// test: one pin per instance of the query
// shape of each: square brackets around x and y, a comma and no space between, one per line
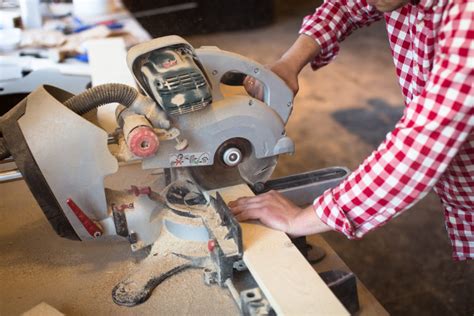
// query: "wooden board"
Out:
[289,282]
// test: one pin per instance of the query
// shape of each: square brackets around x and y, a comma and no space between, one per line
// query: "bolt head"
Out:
[232,157]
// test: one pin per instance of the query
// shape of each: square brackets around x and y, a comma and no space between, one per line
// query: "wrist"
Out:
[295,226]
[306,222]
[303,50]
[291,65]
[291,226]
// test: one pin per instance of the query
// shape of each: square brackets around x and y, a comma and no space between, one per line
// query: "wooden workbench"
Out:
[77,277]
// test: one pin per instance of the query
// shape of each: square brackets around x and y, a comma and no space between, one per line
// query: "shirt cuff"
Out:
[320,31]
[333,216]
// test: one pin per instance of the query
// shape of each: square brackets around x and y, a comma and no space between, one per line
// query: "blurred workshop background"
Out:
[342,112]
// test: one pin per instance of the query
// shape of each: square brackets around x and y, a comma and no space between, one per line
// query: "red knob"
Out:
[211,244]
[143,142]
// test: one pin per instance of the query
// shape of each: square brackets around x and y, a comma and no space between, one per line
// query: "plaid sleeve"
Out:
[333,21]
[417,152]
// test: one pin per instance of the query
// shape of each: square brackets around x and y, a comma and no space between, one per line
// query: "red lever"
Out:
[92,228]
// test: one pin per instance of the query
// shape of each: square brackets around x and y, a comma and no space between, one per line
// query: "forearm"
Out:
[307,223]
[332,22]
[303,51]
[288,67]
[418,151]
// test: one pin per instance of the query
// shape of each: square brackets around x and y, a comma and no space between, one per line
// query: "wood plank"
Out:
[289,282]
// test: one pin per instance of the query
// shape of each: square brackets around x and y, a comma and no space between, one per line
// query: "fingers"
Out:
[248,80]
[265,197]
[248,211]
[268,214]
[271,208]
[254,207]
[254,87]
[245,200]
[246,208]
[248,215]
[250,86]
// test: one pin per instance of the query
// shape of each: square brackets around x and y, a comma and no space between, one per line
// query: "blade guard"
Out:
[71,154]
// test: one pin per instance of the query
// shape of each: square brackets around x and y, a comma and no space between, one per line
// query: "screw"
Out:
[214,72]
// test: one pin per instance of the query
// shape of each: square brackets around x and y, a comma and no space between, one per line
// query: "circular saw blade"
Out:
[251,171]
[254,170]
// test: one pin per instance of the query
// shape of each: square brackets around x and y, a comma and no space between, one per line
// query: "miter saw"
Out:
[179,122]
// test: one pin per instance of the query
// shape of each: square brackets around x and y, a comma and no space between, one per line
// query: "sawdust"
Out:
[167,244]
[221,232]
[189,221]
[186,190]
[165,260]
[170,254]
[210,218]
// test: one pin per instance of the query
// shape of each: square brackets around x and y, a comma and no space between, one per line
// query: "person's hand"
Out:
[303,50]
[254,87]
[271,208]
[281,68]
[287,71]
[277,212]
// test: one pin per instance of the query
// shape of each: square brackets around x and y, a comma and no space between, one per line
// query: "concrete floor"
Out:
[341,113]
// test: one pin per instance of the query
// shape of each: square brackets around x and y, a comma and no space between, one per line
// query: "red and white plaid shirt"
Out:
[432,146]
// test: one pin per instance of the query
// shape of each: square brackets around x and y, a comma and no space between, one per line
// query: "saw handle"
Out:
[219,64]
[233,78]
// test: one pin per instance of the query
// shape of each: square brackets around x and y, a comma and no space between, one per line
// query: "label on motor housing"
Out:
[190,159]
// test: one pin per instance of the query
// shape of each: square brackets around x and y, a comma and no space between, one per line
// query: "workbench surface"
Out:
[77,277]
